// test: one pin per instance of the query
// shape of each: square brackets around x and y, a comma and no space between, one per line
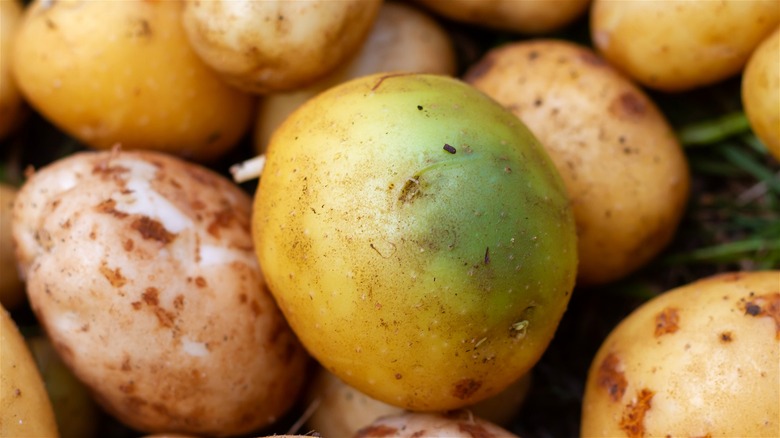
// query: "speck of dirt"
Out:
[726,337]
[152,229]
[465,388]
[628,104]
[767,305]
[667,321]
[633,420]
[611,378]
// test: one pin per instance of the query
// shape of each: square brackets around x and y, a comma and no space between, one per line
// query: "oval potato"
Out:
[678,45]
[761,92]
[699,360]
[625,172]
[129,78]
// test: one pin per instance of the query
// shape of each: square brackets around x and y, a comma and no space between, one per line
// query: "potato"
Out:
[25,408]
[699,360]
[459,424]
[524,16]
[678,45]
[12,105]
[417,238]
[625,172]
[140,268]
[129,77]
[402,38]
[761,92]
[11,288]
[341,410]
[276,45]
[75,411]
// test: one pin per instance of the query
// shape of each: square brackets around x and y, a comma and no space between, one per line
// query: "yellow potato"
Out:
[141,269]
[25,409]
[127,77]
[11,287]
[761,92]
[525,16]
[276,45]
[12,107]
[624,170]
[677,45]
[699,360]
[402,38]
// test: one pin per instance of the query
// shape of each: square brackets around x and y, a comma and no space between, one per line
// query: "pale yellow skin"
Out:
[699,360]
[457,424]
[140,267]
[761,92]
[678,45]
[25,409]
[624,170]
[12,106]
[403,38]
[276,45]
[341,410]
[11,287]
[523,16]
[128,78]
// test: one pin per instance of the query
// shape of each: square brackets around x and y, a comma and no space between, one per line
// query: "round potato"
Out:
[129,78]
[625,172]
[12,105]
[11,287]
[276,45]
[761,92]
[456,424]
[25,408]
[524,16]
[402,38]
[678,45]
[141,269]
[699,360]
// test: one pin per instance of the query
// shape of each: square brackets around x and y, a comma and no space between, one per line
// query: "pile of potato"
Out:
[425,210]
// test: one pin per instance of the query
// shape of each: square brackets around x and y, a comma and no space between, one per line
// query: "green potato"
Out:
[417,238]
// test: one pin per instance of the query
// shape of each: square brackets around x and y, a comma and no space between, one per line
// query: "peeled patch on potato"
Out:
[700,360]
[141,269]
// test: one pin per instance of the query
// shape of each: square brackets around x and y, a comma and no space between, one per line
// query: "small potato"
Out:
[524,16]
[127,77]
[276,45]
[678,45]
[140,268]
[624,170]
[12,106]
[11,287]
[402,38]
[456,424]
[761,92]
[25,408]
[699,360]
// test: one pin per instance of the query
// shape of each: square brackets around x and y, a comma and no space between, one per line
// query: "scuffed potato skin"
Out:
[761,92]
[624,170]
[140,267]
[699,360]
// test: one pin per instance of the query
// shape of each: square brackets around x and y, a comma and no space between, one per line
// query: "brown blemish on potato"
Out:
[128,245]
[152,229]
[376,431]
[200,282]
[109,207]
[127,388]
[151,297]
[178,302]
[126,364]
[475,430]
[465,388]
[633,420]
[114,276]
[667,321]
[419,434]
[255,308]
[610,377]
[629,104]
[726,337]
[222,219]
[767,305]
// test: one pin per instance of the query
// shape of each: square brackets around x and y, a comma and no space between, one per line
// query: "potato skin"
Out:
[524,16]
[678,45]
[402,38]
[12,106]
[625,172]
[699,360]
[25,408]
[276,45]
[141,270]
[456,424]
[761,92]
[129,77]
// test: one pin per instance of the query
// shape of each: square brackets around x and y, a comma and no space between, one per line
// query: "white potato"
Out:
[276,45]
[700,360]
[140,267]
